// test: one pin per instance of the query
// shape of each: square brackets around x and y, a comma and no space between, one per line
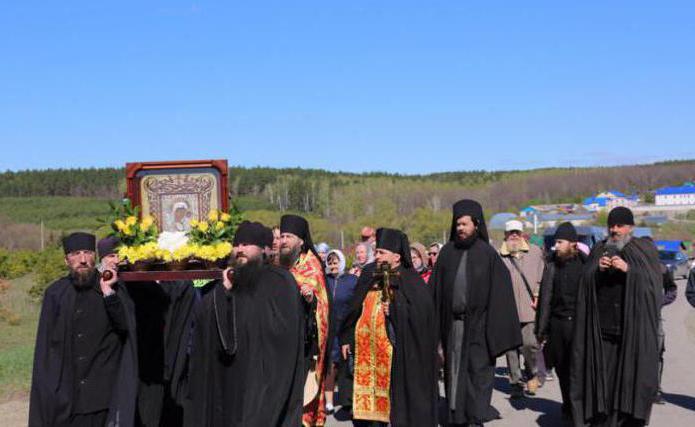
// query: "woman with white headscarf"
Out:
[341,286]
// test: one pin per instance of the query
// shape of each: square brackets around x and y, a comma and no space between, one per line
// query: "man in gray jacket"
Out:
[525,264]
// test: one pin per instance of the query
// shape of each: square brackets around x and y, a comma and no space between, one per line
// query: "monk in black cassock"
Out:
[615,358]
[477,314]
[556,310]
[247,358]
[392,343]
[85,361]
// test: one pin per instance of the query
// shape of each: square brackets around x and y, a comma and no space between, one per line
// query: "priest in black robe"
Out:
[615,357]
[247,356]
[477,317]
[395,381]
[85,360]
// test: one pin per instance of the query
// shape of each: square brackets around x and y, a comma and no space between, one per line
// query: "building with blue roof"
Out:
[671,196]
[609,200]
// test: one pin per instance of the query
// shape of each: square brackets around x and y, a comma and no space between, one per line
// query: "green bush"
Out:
[15,264]
[49,267]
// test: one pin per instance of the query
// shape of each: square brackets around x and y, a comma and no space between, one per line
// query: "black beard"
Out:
[287,259]
[83,279]
[246,273]
[467,242]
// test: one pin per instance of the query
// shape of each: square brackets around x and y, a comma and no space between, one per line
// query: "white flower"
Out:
[171,241]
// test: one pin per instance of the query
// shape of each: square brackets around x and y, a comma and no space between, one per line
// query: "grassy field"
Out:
[18,321]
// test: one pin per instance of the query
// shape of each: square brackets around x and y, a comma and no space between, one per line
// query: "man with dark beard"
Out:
[85,361]
[297,253]
[392,342]
[247,356]
[615,358]
[557,307]
[477,315]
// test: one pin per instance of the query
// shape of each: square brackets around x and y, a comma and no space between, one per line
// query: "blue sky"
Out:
[400,86]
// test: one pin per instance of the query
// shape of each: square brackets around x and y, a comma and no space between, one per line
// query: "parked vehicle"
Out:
[672,255]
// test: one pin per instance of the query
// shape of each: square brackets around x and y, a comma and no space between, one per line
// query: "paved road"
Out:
[543,410]
[678,381]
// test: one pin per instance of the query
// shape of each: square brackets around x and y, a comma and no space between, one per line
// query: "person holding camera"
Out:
[615,355]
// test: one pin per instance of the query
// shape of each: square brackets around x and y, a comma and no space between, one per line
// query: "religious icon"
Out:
[175,193]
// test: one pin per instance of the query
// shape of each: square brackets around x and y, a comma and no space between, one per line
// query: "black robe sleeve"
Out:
[413,378]
[503,329]
[544,299]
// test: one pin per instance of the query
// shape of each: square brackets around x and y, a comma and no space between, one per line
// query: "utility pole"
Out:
[42,244]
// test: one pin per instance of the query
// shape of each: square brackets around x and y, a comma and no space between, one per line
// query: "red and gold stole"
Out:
[373,355]
[308,271]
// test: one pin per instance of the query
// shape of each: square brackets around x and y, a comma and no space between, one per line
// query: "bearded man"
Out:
[85,362]
[298,255]
[615,358]
[557,307]
[477,315]
[247,356]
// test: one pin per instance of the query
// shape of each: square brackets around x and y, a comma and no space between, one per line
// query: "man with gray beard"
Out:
[615,356]
[525,264]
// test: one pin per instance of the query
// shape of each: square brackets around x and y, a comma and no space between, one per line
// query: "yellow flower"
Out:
[213,215]
[120,225]
[203,226]
[131,220]
[128,231]
[219,226]
[147,222]
[194,223]
[225,217]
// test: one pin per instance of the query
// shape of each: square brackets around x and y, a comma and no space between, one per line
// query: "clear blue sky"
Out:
[401,86]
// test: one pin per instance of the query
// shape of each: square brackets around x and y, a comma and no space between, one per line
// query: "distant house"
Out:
[528,212]
[559,208]
[670,196]
[609,200]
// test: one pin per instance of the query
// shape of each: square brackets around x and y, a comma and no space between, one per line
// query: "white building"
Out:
[670,196]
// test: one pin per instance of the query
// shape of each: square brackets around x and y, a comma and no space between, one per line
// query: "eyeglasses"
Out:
[432,253]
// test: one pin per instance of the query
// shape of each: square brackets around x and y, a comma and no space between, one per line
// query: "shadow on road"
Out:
[687,402]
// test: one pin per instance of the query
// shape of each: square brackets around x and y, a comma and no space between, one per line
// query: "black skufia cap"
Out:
[620,216]
[107,246]
[566,231]
[79,242]
[474,210]
[250,233]
[298,226]
[395,241]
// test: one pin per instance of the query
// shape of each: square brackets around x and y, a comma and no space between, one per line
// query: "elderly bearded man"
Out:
[615,359]
[525,264]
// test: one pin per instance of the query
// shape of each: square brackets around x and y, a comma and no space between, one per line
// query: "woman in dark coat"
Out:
[341,286]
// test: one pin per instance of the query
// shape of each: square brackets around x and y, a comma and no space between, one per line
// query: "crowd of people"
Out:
[290,331]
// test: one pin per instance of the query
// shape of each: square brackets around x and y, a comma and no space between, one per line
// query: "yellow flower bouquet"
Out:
[138,237]
[210,239]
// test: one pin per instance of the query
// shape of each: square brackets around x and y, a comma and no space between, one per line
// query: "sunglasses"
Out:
[432,253]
